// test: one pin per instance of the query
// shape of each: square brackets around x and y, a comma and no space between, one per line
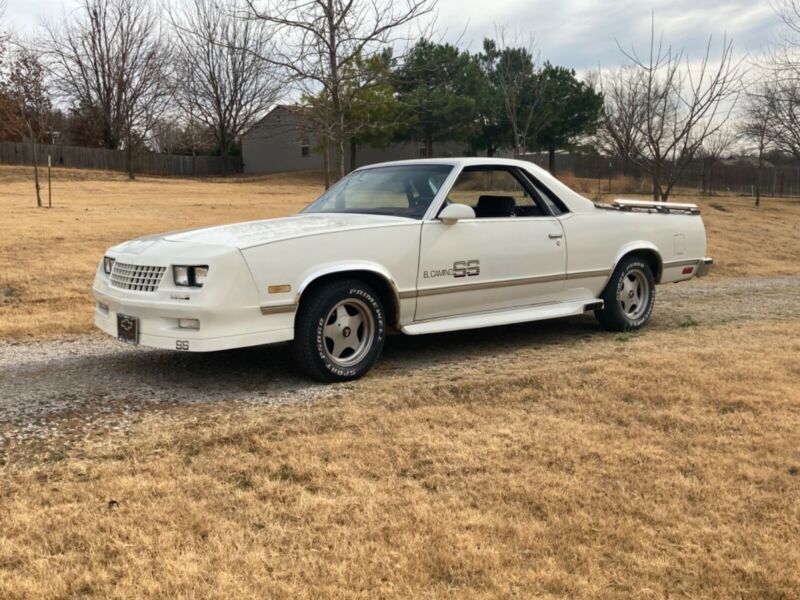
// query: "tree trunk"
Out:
[551,160]
[758,176]
[326,163]
[334,87]
[129,157]
[340,159]
[353,155]
[490,151]
[704,180]
[223,152]
[656,189]
[36,175]
[429,148]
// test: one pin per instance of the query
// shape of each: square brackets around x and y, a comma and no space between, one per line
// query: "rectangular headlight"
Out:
[108,264]
[181,275]
[200,274]
[190,276]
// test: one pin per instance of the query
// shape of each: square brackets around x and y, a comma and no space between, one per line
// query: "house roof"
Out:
[270,112]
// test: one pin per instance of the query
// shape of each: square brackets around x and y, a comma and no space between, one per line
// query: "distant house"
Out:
[745,161]
[281,142]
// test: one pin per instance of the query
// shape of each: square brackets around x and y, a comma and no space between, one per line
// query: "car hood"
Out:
[256,233]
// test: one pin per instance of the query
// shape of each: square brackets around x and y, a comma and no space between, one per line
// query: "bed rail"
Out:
[650,206]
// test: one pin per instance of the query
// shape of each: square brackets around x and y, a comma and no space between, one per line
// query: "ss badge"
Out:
[466,268]
[181,344]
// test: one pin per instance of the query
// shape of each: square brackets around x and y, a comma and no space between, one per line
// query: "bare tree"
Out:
[26,109]
[682,106]
[222,79]
[784,57]
[321,42]
[4,33]
[779,91]
[756,127]
[5,102]
[782,98]
[711,151]
[171,134]
[111,55]
[621,124]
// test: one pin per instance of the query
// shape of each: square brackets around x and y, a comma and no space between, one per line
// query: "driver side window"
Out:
[493,193]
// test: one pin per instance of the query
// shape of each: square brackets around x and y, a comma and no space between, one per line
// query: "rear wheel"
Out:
[629,296]
[339,331]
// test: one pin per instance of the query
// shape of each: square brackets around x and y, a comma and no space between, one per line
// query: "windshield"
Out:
[400,191]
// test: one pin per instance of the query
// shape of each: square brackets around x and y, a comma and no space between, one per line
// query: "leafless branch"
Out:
[322,40]
[111,56]
[676,105]
[759,126]
[25,107]
[222,78]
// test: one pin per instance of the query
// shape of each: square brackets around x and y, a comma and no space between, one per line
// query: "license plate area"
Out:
[127,329]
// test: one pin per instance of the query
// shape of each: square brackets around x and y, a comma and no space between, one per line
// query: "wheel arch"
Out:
[648,251]
[373,275]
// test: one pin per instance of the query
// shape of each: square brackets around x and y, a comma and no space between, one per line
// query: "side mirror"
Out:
[453,213]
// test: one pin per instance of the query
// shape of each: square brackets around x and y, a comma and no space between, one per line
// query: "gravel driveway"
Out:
[52,391]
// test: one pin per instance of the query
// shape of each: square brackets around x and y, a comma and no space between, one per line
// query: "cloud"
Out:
[584,33]
[576,33]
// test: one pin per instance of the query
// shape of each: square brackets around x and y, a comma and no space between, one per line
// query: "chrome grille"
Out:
[139,278]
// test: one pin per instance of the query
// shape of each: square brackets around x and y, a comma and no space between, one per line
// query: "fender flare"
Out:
[350,267]
[633,247]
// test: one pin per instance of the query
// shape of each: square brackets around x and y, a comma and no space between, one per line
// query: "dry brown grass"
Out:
[48,257]
[668,471]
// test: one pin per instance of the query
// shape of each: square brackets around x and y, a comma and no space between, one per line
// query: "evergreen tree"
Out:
[439,86]
[570,108]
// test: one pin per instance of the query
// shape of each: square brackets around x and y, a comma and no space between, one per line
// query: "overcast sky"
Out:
[574,33]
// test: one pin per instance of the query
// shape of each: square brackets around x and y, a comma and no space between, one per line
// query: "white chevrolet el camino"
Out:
[418,247]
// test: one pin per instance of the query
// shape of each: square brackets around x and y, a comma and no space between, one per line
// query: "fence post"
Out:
[49,187]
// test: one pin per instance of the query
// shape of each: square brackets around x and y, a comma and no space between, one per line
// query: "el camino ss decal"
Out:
[460,268]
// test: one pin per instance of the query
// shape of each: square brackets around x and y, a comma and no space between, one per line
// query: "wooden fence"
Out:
[76,157]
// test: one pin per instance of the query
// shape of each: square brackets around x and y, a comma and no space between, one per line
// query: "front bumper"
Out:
[227,306]
[704,267]
[219,329]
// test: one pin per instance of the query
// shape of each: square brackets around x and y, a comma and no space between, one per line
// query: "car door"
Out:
[511,254]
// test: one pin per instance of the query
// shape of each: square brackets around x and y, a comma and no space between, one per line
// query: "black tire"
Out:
[313,350]
[624,314]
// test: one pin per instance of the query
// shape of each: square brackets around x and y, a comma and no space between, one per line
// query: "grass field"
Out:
[661,464]
[49,256]
[671,471]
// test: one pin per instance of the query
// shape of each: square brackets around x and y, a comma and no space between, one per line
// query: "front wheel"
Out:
[629,296]
[339,331]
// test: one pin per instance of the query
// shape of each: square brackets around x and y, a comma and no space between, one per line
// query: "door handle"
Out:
[555,236]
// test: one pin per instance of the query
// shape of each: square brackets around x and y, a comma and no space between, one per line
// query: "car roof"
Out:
[574,201]
[455,160]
